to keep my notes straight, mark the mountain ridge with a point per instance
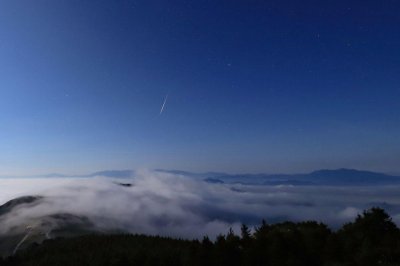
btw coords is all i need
(341, 176)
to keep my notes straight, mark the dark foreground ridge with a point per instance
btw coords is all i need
(372, 239)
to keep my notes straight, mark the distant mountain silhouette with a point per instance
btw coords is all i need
(214, 180)
(105, 173)
(114, 173)
(338, 177)
(350, 176)
(190, 174)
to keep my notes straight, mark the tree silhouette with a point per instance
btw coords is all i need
(370, 240)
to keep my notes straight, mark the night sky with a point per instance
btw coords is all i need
(253, 86)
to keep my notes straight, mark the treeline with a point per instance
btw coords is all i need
(372, 239)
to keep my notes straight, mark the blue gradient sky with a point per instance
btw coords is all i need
(254, 86)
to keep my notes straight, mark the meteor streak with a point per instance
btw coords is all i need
(163, 105)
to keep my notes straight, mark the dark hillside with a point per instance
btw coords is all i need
(372, 239)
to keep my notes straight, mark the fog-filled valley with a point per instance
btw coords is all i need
(171, 204)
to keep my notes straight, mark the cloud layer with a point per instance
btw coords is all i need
(173, 205)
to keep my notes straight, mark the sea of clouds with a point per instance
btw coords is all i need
(174, 205)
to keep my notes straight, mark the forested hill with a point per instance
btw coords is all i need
(372, 239)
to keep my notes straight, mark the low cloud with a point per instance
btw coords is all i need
(174, 205)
